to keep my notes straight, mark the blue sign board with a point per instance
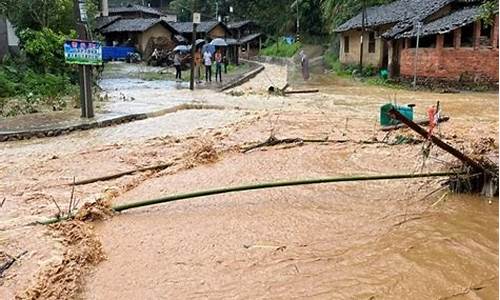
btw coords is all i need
(83, 52)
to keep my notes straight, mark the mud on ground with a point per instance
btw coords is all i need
(365, 241)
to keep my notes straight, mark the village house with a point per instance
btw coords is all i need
(139, 33)
(248, 37)
(207, 30)
(454, 44)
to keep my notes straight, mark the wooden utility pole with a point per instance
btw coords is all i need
(438, 142)
(196, 21)
(418, 25)
(363, 17)
(85, 72)
(193, 53)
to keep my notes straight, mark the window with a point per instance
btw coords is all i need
(467, 38)
(448, 39)
(346, 44)
(371, 42)
(428, 41)
(485, 37)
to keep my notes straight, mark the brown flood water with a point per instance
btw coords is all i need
(347, 241)
(371, 240)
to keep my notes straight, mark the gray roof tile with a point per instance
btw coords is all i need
(447, 23)
(402, 11)
(187, 27)
(133, 25)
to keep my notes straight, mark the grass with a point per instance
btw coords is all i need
(281, 49)
(377, 81)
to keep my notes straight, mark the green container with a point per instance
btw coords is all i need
(385, 118)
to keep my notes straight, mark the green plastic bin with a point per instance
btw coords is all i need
(385, 118)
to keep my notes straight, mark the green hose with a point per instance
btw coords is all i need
(122, 207)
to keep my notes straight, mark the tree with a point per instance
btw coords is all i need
(37, 14)
(335, 12)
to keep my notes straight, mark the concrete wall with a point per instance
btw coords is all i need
(156, 31)
(477, 63)
(352, 57)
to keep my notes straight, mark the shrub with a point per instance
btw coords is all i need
(44, 50)
(281, 49)
(8, 86)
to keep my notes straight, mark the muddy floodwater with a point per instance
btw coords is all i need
(365, 240)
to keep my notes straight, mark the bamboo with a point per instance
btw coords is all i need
(266, 185)
(117, 175)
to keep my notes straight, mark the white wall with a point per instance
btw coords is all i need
(12, 38)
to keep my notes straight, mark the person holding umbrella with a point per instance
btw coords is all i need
(218, 65)
(207, 59)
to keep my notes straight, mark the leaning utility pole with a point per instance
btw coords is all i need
(85, 72)
(363, 16)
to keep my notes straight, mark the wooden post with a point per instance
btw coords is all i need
(477, 35)
(363, 16)
(84, 71)
(390, 53)
(457, 38)
(494, 33)
(193, 54)
(438, 142)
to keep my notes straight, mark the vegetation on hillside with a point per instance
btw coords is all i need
(281, 49)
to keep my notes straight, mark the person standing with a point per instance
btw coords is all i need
(177, 65)
(207, 58)
(197, 65)
(218, 65)
(304, 61)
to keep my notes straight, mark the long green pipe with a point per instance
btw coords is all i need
(258, 186)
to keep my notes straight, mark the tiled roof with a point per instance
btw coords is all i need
(399, 11)
(134, 8)
(133, 25)
(250, 37)
(238, 25)
(447, 23)
(203, 27)
(101, 22)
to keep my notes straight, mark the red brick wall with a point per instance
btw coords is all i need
(452, 64)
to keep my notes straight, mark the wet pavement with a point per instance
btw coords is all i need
(374, 240)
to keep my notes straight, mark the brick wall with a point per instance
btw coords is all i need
(468, 64)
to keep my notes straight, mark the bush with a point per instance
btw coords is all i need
(44, 50)
(8, 87)
(281, 49)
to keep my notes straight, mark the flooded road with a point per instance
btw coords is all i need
(372, 240)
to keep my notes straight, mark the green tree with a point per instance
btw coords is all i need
(37, 14)
(335, 12)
